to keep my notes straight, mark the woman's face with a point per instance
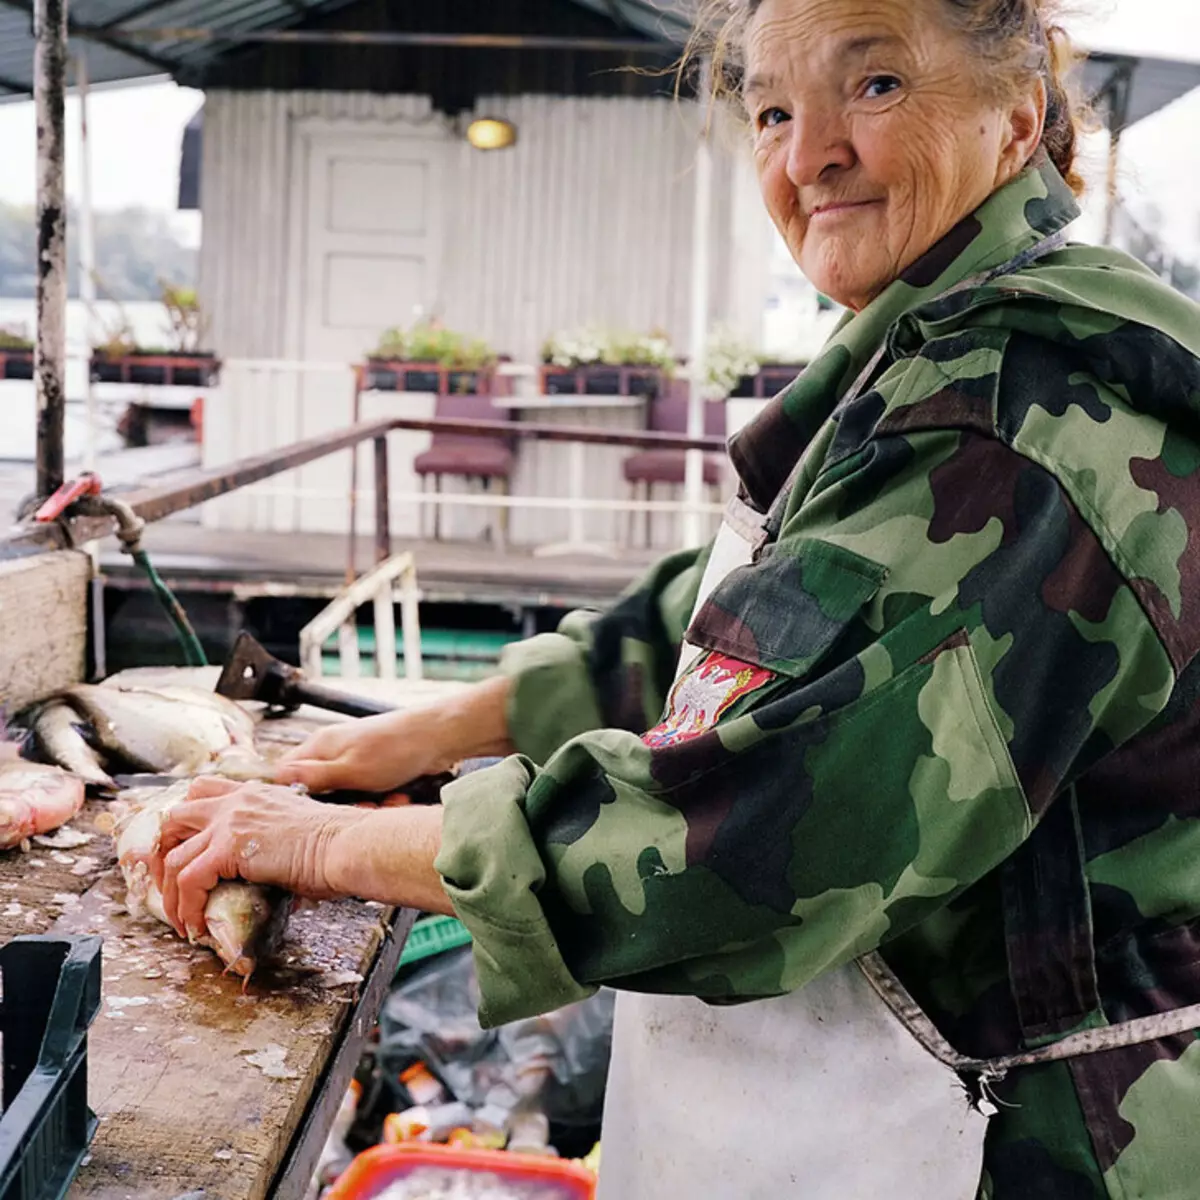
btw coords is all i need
(873, 134)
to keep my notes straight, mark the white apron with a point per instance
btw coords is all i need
(822, 1094)
(843, 1090)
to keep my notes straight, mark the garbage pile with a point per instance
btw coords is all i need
(435, 1077)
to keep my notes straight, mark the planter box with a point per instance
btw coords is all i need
(16, 364)
(771, 379)
(601, 380)
(157, 370)
(400, 375)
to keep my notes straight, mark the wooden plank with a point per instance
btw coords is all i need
(201, 1084)
(38, 886)
(295, 1175)
(197, 1083)
(43, 624)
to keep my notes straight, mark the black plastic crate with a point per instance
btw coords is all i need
(51, 996)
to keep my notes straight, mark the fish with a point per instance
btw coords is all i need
(244, 922)
(168, 731)
(56, 733)
(35, 799)
(90, 729)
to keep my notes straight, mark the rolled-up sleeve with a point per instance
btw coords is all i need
(493, 872)
(891, 698)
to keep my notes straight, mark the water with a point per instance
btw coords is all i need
(147, 317)
(18, 413)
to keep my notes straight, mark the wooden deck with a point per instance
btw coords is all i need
(191, 557)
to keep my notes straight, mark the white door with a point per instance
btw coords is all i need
(370, 259)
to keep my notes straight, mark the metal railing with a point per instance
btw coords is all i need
(187, 488)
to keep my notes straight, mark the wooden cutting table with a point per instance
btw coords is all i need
(203, 1089)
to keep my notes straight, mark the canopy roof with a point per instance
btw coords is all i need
(125, 40)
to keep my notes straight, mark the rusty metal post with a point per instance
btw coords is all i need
(383, 526)
(352, 548)
(49, 86)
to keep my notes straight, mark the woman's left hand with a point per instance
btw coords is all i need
(258, 832)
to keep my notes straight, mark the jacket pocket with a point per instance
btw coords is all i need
(785, 612)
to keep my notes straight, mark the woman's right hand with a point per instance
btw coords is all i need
(383, 753)
(372, 754)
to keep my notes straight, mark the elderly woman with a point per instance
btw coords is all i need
(909, 756)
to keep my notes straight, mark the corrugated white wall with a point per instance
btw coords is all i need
(249, 210)
(587, 218)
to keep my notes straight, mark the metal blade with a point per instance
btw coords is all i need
(247, 669)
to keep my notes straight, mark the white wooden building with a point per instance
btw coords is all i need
(339, 195)
(329, 216)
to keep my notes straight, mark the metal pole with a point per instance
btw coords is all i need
(693, 480)
(1110, 199)
(351, 37)
(1117, 112)
(383, 528)
(87, 293)
(49, 85)
(352, 547)
(87, 252)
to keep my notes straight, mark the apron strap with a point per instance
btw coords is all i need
(1089, 1041)
(1048, 929)
(1051, 962)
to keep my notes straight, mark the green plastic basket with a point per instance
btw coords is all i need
(433, 935)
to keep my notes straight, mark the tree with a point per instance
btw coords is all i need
(135, 251)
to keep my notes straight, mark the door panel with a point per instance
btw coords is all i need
(371, 260)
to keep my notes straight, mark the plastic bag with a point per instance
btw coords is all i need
(557, 1062)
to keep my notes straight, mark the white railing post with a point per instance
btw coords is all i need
(410, 623)
(385, 633)
(350, 665)
(338, 617)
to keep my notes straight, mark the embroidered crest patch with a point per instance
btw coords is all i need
(699, 698)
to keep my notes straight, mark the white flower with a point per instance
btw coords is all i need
(727, 360)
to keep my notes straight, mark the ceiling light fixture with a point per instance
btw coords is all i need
(491, 133)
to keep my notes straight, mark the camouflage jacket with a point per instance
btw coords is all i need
(951, 710)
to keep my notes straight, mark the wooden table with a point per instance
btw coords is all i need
(203, 1088)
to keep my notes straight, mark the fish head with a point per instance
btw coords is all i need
(240, 919)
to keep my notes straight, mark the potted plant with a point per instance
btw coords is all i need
(774, 375)
(430, 358)
(591, 361)
(16, 353)
(120, 359)
(731, 366)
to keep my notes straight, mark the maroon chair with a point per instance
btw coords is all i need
(669, 414)
(488, 457)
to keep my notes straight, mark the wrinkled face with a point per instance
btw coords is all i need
(873, 135)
